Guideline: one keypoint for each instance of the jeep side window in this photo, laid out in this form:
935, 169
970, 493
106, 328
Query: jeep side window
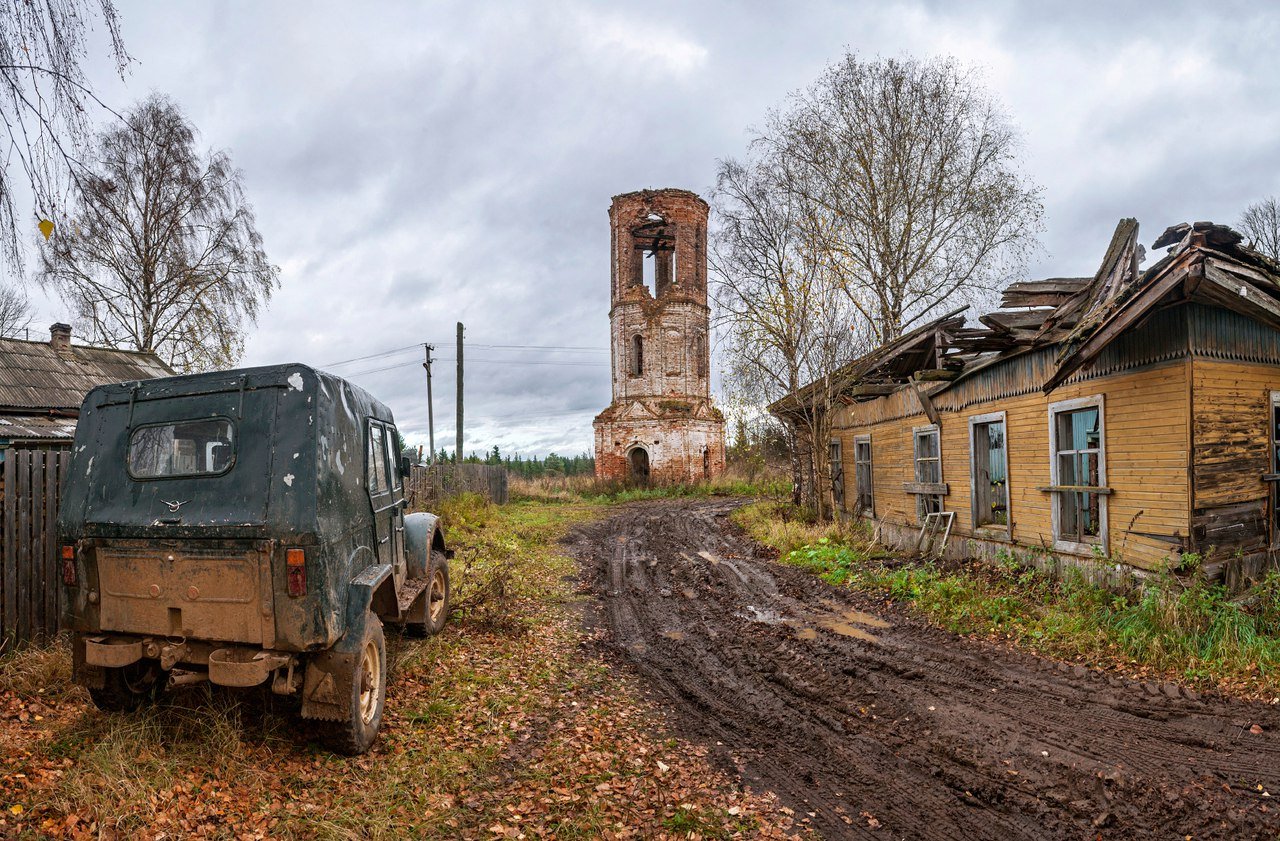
377, 460
393, 462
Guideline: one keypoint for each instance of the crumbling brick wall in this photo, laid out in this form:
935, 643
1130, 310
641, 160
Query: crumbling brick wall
660, 336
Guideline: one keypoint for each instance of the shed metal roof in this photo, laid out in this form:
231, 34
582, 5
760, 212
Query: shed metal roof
36, 428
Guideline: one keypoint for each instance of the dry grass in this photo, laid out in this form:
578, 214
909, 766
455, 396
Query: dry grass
38, 670
488, 724
788, 528
733, 482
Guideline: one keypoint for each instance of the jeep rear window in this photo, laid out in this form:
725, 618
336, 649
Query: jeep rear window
184, 448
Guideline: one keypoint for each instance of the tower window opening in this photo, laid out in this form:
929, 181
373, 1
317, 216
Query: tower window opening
648, 275
700, 355
637, 355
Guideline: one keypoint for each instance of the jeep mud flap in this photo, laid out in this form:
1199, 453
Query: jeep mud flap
327, 686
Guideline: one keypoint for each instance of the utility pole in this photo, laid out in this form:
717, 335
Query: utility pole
457, 453
431, 419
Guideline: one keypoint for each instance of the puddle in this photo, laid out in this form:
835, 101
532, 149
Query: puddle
673, 635
860, 618
755, 614
846, 629
844, 623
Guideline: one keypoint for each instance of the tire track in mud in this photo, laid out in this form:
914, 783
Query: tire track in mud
853, 711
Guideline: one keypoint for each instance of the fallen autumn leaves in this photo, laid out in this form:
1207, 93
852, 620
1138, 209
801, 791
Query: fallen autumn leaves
493, 729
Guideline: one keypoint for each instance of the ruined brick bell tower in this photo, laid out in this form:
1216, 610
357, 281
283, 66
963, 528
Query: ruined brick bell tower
661, 424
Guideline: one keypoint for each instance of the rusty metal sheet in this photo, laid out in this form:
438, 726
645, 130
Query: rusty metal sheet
206, 593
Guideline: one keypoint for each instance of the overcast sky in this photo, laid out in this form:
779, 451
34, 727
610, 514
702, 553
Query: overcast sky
414, 165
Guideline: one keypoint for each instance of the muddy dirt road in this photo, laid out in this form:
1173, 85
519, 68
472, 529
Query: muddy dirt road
883, 727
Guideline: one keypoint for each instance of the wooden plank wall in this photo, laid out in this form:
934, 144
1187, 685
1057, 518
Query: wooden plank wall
30, 578
1232, 417
1147, 427
426, 486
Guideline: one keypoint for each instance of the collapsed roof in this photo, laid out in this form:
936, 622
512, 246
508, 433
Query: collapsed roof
1205, 262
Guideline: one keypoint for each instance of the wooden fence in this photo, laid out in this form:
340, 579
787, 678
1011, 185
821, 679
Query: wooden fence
428, 485
30, 578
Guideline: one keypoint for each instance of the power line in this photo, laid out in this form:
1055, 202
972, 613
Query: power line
394, 351
373, 355
552, 362
566, 348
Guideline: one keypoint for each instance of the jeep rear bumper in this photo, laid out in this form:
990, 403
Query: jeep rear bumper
234, 665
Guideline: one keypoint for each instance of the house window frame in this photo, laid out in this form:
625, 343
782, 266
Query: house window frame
1097, 401
916, 433
870, 508
974, 422
835, 466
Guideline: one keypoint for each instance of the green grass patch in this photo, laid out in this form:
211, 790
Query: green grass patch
1177, 626
788, 528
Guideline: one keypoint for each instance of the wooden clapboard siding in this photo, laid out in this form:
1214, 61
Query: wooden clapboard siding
1147, 439
30, 578
1231, 427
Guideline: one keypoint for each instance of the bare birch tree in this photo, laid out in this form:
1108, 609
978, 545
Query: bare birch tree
1260, 225
786, 323
161, 252
45, 98
908, 171
15, 312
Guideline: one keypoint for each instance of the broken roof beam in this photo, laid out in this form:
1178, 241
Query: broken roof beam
1230, 291
1198, 233
1130, 314
1050, 292
1007, 322
865, 390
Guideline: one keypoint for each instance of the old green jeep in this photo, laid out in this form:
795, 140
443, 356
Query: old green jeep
243, 527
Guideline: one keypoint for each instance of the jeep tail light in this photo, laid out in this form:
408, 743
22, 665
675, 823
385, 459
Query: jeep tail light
295, 561
69, 566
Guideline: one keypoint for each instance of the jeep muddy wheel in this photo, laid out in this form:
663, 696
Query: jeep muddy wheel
127, 688
437, 594
368, 690
435, 599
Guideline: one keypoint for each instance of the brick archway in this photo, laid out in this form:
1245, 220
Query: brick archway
638, 464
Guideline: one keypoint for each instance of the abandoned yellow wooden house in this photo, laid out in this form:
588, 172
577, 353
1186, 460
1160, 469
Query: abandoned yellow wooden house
1133, 416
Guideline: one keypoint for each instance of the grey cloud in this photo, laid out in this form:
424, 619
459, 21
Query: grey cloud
418, 165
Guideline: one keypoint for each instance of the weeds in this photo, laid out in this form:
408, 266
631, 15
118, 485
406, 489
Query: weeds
788, 528
590, 490
38, 670
1185, 628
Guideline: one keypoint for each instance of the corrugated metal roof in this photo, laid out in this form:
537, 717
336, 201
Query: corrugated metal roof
42, 427
33, 375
